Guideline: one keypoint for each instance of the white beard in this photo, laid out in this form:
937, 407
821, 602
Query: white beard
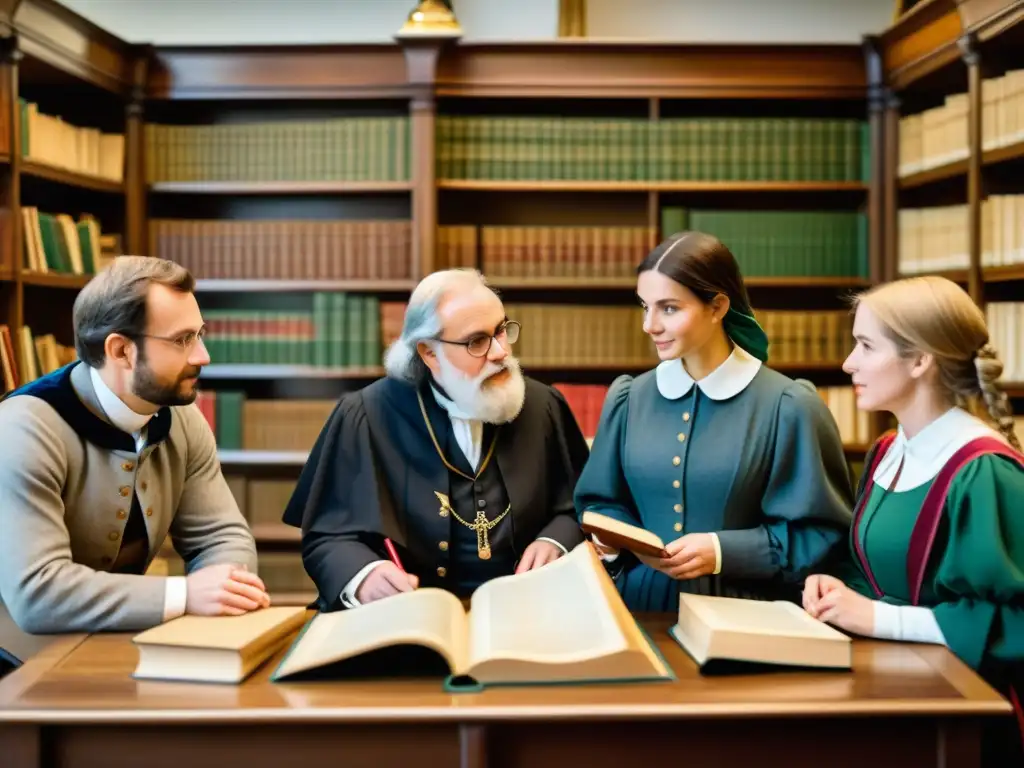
494, 404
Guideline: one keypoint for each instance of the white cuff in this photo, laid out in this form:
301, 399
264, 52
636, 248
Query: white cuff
175, 597
348, 594
911, 623
718, 553
545, 538
606, 557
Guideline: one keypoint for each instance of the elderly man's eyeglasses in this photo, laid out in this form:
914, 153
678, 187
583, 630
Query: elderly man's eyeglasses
186, 341
480, 344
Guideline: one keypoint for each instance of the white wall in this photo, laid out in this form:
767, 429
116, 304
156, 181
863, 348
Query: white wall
740, 21
226, 22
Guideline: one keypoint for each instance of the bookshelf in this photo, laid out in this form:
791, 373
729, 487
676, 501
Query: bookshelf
64, 168
309, 188
954, 157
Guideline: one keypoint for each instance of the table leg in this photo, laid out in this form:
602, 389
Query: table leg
473, 746
20, 746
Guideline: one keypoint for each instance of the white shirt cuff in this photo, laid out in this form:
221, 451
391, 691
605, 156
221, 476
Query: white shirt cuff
175, 597
606, 557
348, 594
718, 553
545, 538
911, 623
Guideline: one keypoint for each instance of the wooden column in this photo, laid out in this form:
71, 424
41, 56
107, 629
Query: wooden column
890, 186
136, 242
972, 58
421, 55
877, 200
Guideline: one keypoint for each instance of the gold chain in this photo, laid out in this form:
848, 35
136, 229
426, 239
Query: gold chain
481, 525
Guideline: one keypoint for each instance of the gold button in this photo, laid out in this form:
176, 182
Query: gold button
443, 546
675, 483
676, 460
443, 512
149, 511
678, 507
680, 437
121, 514
113, 535
442, 571
678, 526
128, 466
686, 416
125, 490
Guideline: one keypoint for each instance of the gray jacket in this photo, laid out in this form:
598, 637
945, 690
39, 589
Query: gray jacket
67, 480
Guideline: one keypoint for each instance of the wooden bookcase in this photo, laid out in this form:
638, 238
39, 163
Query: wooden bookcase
558, 130
966, 58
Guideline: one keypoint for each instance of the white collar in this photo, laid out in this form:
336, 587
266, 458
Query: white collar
449, 405
926, 453
120, 415
727, 380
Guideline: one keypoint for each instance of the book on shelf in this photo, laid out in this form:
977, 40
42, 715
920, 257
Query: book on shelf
52, 141
215, 649
620, 535
727, 634
560, 624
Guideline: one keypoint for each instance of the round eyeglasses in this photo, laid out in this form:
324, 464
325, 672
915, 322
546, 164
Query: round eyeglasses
479, 345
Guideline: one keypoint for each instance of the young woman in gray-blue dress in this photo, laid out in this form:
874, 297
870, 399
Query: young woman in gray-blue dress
738, 468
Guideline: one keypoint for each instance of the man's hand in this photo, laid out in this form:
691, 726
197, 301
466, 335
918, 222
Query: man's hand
224, 590
690, 556
828, 599
537, 554
385, 580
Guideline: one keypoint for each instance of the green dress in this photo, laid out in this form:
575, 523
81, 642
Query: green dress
974, 581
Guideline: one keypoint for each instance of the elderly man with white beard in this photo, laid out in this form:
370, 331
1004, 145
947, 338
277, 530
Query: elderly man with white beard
450, 471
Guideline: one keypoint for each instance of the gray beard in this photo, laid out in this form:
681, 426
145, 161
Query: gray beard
494, 404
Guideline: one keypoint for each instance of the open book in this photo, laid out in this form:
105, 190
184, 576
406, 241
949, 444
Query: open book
726, 634
615, 533
564, 622
215, 649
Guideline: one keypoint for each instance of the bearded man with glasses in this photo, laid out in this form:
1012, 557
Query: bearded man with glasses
452, 470
104, 458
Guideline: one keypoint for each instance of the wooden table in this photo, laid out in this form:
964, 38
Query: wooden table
75, 705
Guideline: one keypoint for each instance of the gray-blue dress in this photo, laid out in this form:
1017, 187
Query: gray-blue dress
746, 452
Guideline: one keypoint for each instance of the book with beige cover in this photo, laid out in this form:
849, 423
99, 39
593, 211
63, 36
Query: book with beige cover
726, 634
615, 533
561, 623
215, 649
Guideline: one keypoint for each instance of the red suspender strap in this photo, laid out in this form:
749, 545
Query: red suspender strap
881, 448
927, 525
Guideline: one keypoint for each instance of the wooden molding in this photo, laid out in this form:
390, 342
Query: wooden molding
988, 18
920, 42
50, 33
595, 68
286, 72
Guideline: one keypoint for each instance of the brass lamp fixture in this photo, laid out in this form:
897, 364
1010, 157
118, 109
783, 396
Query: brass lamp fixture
431, 19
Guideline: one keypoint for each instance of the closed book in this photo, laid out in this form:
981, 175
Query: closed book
215, 649
726, 634
615, 533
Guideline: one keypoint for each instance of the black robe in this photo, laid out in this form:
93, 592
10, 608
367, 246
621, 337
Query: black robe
374, 473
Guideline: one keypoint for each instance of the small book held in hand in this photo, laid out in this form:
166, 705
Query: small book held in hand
727, 634
215, 649
615, 533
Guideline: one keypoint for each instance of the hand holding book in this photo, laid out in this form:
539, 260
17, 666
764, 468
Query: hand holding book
689, 557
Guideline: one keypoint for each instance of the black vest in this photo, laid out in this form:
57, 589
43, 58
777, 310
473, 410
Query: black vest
134, 552
487, 494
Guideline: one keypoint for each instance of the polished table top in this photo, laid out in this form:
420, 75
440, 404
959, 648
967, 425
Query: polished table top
88, 679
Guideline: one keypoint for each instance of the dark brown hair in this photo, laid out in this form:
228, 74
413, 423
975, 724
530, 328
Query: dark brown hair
701, 263
115, 302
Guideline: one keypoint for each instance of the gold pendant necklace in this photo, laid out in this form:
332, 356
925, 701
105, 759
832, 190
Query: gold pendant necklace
481, 525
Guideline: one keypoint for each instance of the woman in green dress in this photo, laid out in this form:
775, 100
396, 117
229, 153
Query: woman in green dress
937, 543
739, 468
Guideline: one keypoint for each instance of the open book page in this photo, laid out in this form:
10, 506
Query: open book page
556, 614
430, 617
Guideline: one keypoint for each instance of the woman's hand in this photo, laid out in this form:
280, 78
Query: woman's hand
828, 599
690, 556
